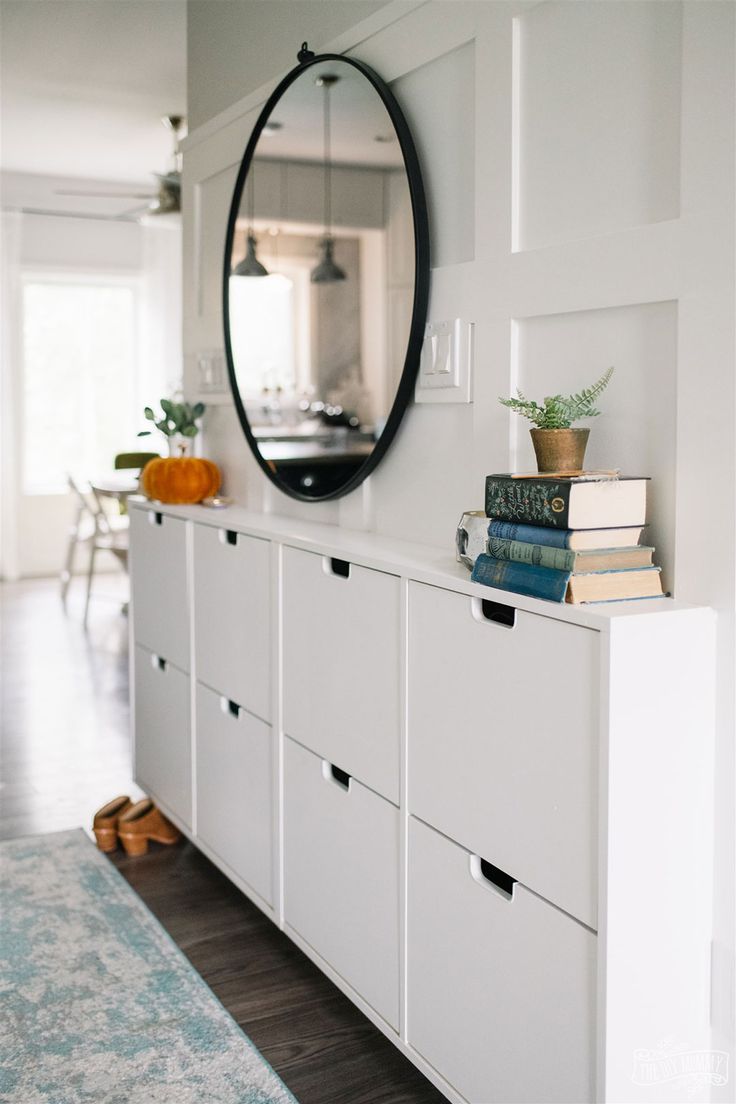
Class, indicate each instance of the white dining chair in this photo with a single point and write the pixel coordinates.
(95, 529)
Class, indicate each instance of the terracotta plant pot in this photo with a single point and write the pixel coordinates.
(559, 450)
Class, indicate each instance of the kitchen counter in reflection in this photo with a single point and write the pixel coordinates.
(314, 459)
(314, 450)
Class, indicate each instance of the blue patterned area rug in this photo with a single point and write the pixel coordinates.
(98, 1004)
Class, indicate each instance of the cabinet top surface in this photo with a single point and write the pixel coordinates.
(418, 562)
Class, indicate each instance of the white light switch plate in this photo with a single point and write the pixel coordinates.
(211, 371)
(445, 367)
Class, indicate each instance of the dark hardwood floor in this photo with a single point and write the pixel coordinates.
(65, 751)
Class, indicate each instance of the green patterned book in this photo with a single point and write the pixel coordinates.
(567, 559)
(567, 502)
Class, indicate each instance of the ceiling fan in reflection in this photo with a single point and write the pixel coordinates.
(166, 199)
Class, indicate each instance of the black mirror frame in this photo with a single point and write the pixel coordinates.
(421, 271)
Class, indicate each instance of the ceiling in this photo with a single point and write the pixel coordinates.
(83, 86)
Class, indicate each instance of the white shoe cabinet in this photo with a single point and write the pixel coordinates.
(485, 817)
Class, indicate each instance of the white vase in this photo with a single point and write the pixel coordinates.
(179, 445)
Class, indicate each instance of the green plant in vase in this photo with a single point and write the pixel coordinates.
(179, 479)
(178, 422)
(559, 447)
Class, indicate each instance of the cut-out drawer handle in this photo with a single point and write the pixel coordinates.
(487, 874)
(155, 517)
(333, 566)
(485, 609)
(231, 707)
(228, 536)
(158, 663)
(333, 774)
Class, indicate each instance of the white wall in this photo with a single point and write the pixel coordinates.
(225, 40)
(579, 164)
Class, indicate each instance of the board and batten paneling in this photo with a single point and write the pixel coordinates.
(440, 107)
(549, 136)
(598, 118)
(637, 431)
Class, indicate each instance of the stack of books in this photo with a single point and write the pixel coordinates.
(567, 538)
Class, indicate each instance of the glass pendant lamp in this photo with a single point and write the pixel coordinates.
(250, 265)
(326, 271)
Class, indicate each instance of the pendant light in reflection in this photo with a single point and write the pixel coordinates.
(250, 265)
(326, 271)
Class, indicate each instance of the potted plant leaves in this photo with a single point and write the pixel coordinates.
(178, 423)
(559, 447)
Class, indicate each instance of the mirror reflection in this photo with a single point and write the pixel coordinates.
(321, 286)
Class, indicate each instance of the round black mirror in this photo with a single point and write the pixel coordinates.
(326, 277)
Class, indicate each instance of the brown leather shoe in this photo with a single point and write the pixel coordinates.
(143, 822)
(105, 822)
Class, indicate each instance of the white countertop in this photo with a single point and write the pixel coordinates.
(423, 563)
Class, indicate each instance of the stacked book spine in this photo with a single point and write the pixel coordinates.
(574, 539)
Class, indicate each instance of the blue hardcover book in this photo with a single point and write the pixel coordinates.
(532, 534)
(521, 578)
(577, 539)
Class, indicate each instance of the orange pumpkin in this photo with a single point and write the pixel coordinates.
(179, 480)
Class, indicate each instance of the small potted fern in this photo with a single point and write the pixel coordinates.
(558, 447)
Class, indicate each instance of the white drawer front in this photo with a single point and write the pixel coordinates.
(159, 584)
(341, 876)
(163, 749)
(341, 666)
(503, 745)
(234, 789)
(500, 991)
(232, 616)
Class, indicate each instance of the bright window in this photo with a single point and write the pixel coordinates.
(270, 328)
(79, 377)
